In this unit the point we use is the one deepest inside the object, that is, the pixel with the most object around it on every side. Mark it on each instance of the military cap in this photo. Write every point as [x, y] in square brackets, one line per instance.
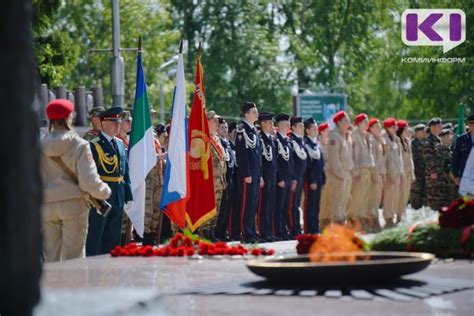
[359, 118]
[59, 109]
[470, 118]
[232, 126]
[94, 112]
[419, 127]
[295, 120]
[152, 110]
[282, 117]
[247, 106]
[447, 125]
[322, 127]
[126, 116]
[402, 124]
[339, 116]
[160, 129]
[112, 114]
[389, 122]
[212, 115]
[265, 116]
[444, 132]
[308, 122]
[434, 121]
[373, 121]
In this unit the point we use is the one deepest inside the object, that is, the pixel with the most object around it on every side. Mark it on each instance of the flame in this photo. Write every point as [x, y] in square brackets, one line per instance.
[336, 239]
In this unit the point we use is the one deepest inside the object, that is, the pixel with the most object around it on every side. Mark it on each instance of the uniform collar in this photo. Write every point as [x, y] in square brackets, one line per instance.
[109, 139]
[282, 136]
[249, 125]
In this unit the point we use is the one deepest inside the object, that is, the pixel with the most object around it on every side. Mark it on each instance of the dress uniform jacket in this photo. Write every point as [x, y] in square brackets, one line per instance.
[300, 163]
[112, 166]
[314, 175]
[285, 174]
[266, 209]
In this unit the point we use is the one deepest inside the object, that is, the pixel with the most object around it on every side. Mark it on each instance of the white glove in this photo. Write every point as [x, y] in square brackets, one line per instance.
[128, 206]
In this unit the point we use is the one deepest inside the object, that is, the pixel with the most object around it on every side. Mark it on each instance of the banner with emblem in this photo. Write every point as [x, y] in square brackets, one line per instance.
[201, 205]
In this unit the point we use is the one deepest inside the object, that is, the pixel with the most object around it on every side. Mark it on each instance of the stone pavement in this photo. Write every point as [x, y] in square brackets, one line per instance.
[153, 286]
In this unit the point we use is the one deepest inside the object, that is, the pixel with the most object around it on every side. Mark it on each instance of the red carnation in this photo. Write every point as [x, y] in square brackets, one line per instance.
[125, 253]
[256, 252]
[270, 252]
[179, 236]
[190, 251]
[187, 242]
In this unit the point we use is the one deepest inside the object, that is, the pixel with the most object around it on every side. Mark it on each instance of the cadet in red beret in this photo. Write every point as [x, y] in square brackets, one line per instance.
[378, 171]
[324, 211]
[394, 170]
[408, 174]
[340, 165]
[59, 112]
[361, 174]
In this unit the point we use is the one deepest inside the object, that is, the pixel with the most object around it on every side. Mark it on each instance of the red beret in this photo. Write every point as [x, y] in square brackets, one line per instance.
[322, 127]
[402, 124]
[359, 118]
[59, 109]
[389, 122]
[373, 121]
[339, 116]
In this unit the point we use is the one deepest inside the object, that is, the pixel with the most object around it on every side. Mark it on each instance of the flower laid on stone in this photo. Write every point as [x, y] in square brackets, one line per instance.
[186, 246]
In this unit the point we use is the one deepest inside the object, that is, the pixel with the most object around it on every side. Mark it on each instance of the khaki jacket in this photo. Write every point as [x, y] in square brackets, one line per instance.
[339, 154]
[393, 155]
[376, 147]
[76, 155]
[361, 153]
[407, 157]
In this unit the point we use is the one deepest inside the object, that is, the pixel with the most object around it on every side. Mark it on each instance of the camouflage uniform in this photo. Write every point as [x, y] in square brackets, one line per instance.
[154, 187]
[418, 190]
[219, 169]
[451, 192]
[91, 134]
[433, 155]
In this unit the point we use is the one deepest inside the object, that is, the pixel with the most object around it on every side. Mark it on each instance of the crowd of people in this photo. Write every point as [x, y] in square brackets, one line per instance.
[275, 176]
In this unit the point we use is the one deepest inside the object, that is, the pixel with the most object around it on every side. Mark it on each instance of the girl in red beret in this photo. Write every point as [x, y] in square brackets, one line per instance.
[324, 208]
[408, 175]
[69, 174]
[377, 171]
[394, 170]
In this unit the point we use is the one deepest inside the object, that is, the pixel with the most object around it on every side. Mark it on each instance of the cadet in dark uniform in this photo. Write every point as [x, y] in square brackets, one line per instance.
[284, 178]
[300, 157]
[233, 224]
[227, 201]
[111, 160]
[435, 174]
[418, 190]
[248, 152]
[314, 178]
[266, 205]
[462, 149]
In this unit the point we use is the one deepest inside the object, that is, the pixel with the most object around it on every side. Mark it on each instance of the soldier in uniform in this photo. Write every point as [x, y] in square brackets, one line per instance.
[266, 205]
[300, 157]
[314, 178]
[408, 175]
[227, 200]
[284, 177]
[95, 120]
[435, 172]
[125, 128]
[164, 230]
[377, 172]
[450, 193]
[418, 189]
[324, 208]
[340, 165]
[361, 176]
[154, 187]
[248, 152]
[462, 150]
[234, 217]
[394, 170]
[111, 160]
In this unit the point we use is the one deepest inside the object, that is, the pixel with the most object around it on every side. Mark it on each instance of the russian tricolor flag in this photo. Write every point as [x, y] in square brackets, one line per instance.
[176, 186]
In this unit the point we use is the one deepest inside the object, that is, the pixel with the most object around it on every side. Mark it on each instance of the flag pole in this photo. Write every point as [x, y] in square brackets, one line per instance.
[181, 46]
[139, 44]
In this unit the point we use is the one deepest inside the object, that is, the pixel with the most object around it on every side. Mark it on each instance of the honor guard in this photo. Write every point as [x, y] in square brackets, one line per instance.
[284, 178]
[95, 120]
[248, 153]
[225, 210]
[300, 157]
[418, 190]
[111, 160]
[314, 178]
[266, 209]
[234, 217]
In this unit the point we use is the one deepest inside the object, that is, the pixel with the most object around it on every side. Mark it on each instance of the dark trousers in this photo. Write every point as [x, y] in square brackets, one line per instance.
[248, 206]
[103, 232]
[234, 217]
[311, 209]
[280, 218]
[266, 207]
[225, 211]
[294, 209]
